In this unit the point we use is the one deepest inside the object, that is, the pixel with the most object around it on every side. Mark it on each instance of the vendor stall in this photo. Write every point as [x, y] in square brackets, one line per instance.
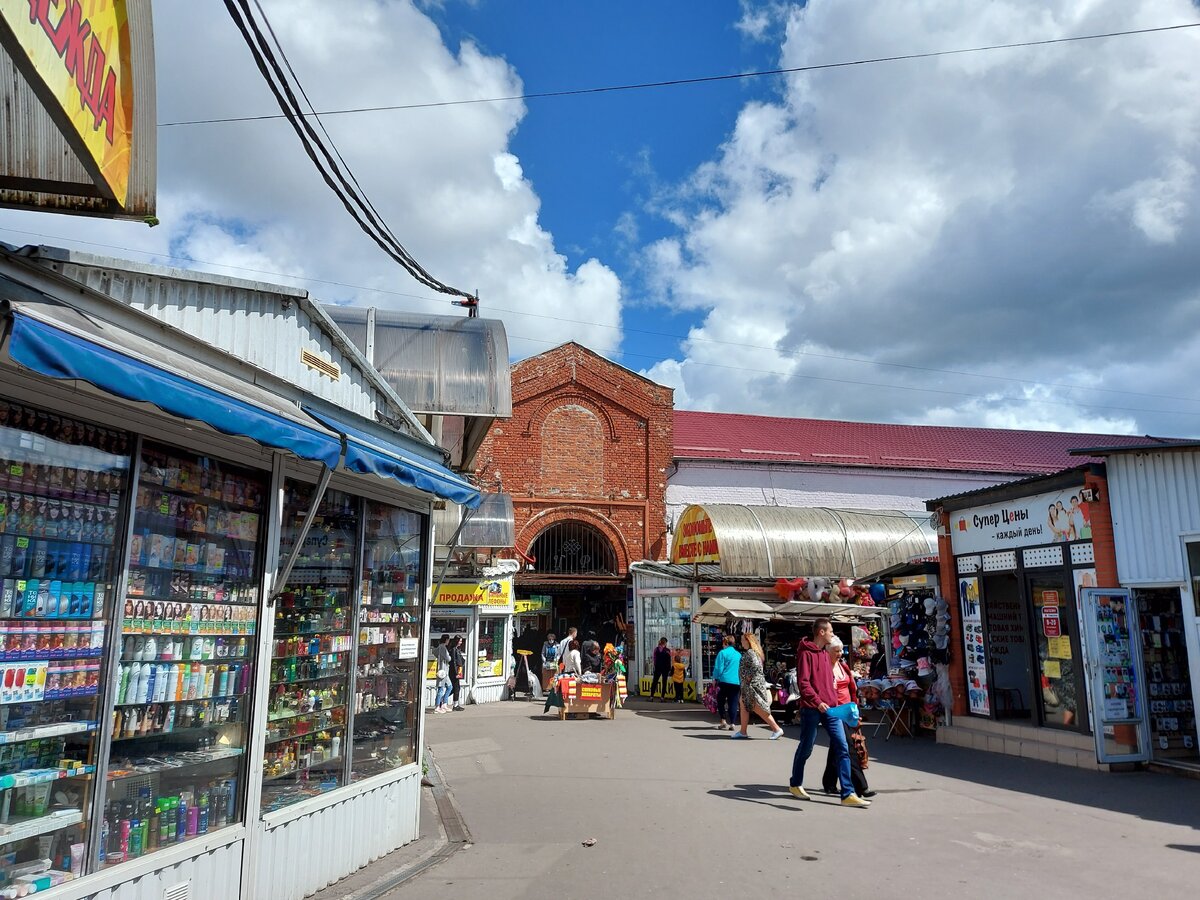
[481, 613]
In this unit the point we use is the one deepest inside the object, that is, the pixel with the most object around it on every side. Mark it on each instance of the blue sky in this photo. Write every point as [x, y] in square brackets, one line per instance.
[1000, 239]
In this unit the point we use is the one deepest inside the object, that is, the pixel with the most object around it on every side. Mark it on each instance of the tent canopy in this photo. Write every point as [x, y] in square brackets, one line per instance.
[786, 542]
[714, 610]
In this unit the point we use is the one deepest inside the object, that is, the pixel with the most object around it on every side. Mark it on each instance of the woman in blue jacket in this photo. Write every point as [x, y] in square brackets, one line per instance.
[725, 674]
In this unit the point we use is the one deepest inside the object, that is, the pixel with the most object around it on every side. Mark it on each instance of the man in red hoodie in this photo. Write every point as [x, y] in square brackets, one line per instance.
[814, 680]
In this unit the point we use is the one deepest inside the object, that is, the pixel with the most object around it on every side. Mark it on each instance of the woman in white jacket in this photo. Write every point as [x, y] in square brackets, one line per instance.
[572, 664]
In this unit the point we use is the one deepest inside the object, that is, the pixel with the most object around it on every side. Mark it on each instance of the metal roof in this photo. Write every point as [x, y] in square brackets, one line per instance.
[1010, 490]
[785, 542]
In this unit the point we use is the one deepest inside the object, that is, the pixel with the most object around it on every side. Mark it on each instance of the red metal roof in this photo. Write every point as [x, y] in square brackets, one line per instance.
[731, 436]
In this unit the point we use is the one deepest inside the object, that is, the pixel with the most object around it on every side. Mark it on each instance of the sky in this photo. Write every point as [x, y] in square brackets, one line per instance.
[1005, 238]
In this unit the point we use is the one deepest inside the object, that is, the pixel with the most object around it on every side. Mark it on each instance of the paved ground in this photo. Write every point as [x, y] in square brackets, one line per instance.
[678, 810]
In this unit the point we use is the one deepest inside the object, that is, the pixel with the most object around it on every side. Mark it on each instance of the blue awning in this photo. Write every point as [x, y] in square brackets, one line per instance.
[371, 454]
[139, 369]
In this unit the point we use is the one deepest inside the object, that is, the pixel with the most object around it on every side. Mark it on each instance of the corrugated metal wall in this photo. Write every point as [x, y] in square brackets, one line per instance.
[240, 320]
[312, 852]
[214, 876]
[1154, 497]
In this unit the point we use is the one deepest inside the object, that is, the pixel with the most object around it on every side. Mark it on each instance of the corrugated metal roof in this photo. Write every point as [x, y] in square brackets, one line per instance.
[448, 365]
[785, 542]
[767, 439]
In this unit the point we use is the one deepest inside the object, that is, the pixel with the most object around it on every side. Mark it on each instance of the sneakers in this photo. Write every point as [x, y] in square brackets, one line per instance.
[798, 792]
[737, 735]
[855, 801]
[776, 735]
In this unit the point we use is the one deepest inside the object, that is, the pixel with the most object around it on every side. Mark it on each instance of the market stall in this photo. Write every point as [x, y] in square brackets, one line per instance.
[480, 612]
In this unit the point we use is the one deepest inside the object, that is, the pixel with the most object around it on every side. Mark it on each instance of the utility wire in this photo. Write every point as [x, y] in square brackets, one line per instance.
[680, 337]
[705, 79]
[335, 173]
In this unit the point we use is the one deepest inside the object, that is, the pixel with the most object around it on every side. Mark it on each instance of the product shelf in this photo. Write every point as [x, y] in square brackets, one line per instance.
[28, 828]
[310, 767]
[328, 677]
[191, 700]
[39, 776]
[195, 759]
[315, 712]
[341, 726]
[37, 732]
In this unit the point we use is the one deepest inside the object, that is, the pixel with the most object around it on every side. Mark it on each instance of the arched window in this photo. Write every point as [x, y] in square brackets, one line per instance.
[573, 548]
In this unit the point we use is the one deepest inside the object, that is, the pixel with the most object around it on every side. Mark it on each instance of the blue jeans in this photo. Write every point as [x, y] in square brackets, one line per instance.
[727, 701]
[443, 693]
[809, 720]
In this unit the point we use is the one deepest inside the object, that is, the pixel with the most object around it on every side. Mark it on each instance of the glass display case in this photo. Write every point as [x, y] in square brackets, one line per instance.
[665, 616]
[179, 727]
[62, 490]
[387, 681]
[493, 646]
[307, 711]
[452, 626]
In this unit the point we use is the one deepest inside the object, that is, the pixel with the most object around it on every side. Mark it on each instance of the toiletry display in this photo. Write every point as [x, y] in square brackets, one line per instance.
[62, 496]
[387, 675]
[189, 619]
[312, 647]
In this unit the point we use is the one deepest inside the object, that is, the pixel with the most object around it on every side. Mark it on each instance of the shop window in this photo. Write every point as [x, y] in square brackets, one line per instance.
[310, 651]
[670, 617]
[451, 627]
[388, 675]
[62, 489]
[493, 636]
[1163, 628]
[1060, 688]
[180, 725]
[573, 548]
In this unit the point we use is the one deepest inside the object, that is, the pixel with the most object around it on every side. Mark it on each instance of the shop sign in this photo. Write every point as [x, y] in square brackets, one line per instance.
[695, 540]
[1048, 518]
[590, 691]
[1051, 624]
[488, 593]
[407, 648]
[533, 605]
[76, 56]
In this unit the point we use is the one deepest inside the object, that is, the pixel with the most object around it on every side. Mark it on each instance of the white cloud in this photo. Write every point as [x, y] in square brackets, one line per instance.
[444, 179]
[1027, 213]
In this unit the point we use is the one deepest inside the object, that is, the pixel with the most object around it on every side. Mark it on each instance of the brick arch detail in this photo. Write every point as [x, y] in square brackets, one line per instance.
[543, 520]
[539, 415]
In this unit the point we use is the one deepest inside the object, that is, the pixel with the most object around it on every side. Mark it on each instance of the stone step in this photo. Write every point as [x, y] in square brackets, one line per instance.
[1046, 745]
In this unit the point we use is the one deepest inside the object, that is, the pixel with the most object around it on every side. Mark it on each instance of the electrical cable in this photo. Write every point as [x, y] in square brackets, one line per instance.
[830, 356]
[704, 79]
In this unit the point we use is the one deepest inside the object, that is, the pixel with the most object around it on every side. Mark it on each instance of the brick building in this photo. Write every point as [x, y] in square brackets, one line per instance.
[585, 457]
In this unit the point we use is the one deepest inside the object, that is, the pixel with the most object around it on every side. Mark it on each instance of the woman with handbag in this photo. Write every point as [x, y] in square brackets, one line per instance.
[755, 695]
[458, 663]
[847, 694]
[442, 659]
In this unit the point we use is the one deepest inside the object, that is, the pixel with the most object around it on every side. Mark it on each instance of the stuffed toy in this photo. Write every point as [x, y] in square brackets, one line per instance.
[790, 589]
[817, 590]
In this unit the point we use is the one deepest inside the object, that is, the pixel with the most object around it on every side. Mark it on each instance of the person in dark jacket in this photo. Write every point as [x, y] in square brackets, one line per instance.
[814, 679]
[662, 668]
[593, 659]
[457, 663]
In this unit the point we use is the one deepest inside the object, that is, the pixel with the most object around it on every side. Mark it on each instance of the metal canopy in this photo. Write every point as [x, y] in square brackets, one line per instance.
[715, 609]
[838, 612]
[786, 542]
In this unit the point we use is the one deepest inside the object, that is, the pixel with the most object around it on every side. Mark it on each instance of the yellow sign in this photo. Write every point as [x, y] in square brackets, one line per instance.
[1052, 668]
[695, 541]
[533, 606]
[1058, 647]
[79, 51]
[497, 592]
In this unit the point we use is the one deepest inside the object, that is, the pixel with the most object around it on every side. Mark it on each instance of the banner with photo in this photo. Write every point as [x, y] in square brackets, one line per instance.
[974, 646]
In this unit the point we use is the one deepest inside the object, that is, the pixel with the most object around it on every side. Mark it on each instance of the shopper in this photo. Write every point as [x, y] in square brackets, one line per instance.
[755, 695]
[458, 661]
[441, 655]
[565, 644]
[593, 659]
[678, 673]
[814, 679]
[662, 668]
[847, 692]
[572, 665]
[725, 674]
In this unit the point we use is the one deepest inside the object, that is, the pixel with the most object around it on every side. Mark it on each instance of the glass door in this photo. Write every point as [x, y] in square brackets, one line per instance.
[1110, 622]
[62, 489]
[1172, 711]
[1060, 687]
[311, 651]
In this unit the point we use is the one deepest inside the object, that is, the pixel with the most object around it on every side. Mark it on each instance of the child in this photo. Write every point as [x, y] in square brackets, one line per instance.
[677, 672]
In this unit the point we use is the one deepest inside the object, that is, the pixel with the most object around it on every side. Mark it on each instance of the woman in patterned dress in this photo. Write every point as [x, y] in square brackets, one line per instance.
[755, 695]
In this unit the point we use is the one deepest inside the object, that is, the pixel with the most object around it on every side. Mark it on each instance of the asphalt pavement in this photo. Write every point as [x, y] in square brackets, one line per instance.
[677, 809]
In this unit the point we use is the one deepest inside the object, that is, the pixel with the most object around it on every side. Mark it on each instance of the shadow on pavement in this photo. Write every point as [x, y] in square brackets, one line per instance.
[761, 794]
[1160, 798]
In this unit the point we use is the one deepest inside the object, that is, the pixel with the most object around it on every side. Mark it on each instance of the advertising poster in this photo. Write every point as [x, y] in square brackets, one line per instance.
[1042, 519]
[974, 646]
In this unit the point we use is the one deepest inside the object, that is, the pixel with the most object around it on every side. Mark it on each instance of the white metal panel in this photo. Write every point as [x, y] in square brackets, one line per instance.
[215, 875]
[488, 693]
[1155, 498]
[1041, 557]
[306, 854]
[1082, 554]
[969, 564]
[1003, 561]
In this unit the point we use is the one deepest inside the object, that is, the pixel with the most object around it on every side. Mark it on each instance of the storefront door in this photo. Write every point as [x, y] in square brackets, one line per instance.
[1007, 645]
[1060, 689]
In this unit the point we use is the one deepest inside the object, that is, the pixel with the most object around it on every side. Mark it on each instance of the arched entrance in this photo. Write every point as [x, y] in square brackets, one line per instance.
[574, 548]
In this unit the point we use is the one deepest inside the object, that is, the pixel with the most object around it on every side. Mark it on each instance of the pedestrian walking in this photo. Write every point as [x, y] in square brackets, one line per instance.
[678, 673]
[441, 656]
[571, 663]
[847, 692]
[814, 678]
[754, 695]
[725, 674]
[662, 668]
[458, 661]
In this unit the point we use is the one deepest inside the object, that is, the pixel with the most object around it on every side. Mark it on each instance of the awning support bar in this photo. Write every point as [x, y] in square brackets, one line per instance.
[302, 536]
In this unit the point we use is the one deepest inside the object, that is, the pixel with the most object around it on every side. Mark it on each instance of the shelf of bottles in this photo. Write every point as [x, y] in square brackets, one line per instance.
[1172, 712]
[387, 678]
[311, 651]
[62, 492]
[179, 727]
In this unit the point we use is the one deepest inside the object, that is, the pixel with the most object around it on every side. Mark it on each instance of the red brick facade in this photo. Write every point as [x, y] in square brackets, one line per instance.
[588, 441]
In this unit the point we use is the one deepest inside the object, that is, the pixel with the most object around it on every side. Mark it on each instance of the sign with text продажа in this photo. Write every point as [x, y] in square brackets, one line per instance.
[76, 56]
[1041, 519]
[490, 592]
[1051, 623]
[695, 540]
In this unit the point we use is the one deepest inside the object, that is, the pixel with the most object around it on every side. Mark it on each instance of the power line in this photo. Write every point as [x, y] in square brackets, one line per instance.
[704, 79]
[680, 337]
